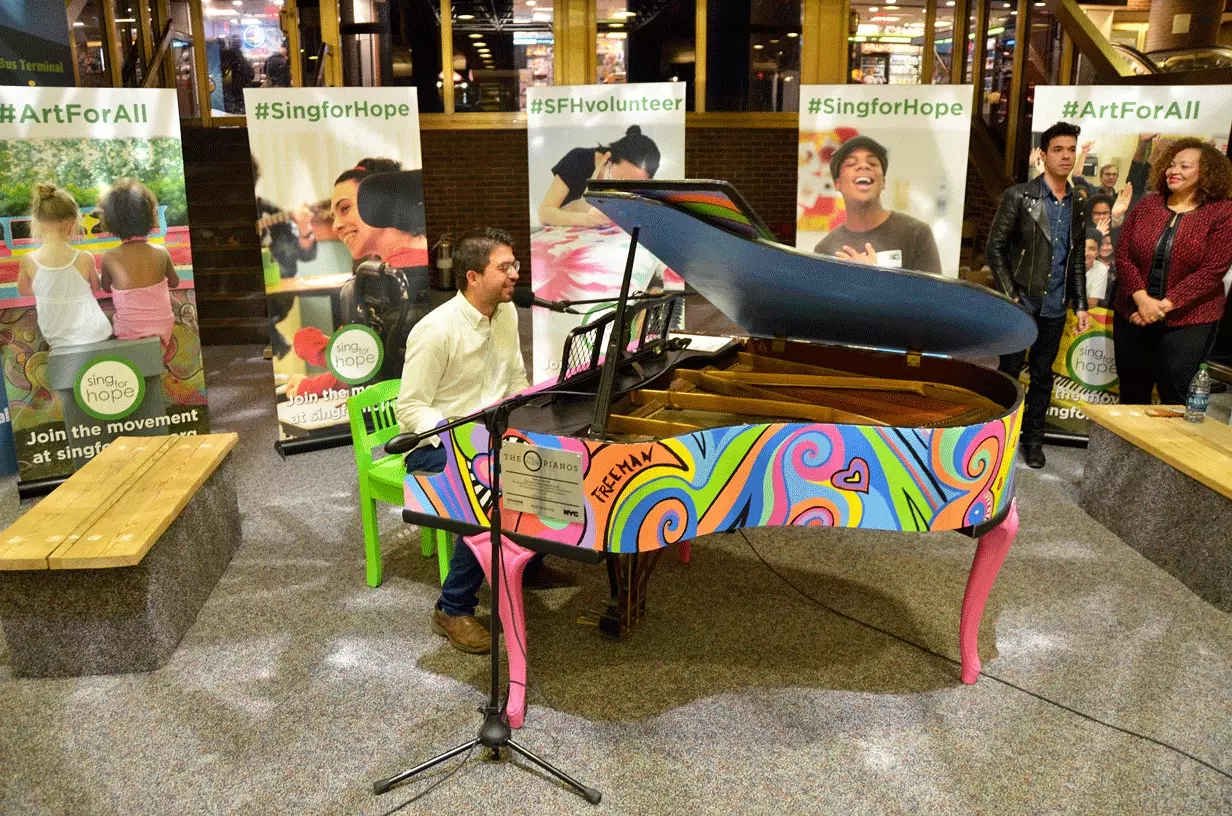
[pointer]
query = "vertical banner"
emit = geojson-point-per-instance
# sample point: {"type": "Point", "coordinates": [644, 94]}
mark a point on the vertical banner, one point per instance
{"type": "Point", "coordinates": [34, 46]}
{"type": "Point", "coordinates": [882, 174]}
{"type": "Point", "coordinates": [340, 211]}
{"type": "Point", "coordinates": [1122, 128]}
{"type": "Point", "coordinates": [98, 320]}
{"type": "Point", "coordinates": [577, 133]}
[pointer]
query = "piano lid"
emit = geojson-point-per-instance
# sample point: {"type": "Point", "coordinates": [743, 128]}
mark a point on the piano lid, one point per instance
{"type": "Point", "coordinates": [707, 233]}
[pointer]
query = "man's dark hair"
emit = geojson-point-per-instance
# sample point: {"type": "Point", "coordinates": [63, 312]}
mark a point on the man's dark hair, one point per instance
{"type": "Point", "coordinates": [475, 249]}
{"type": "Point", "coordinates": [130, 210]}
{"type": "Point", "coordinates": [1055, 130]}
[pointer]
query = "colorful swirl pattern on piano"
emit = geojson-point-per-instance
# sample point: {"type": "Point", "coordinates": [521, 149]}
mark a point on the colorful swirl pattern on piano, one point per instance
{"type": "Point", "coordinates": [645, 495]}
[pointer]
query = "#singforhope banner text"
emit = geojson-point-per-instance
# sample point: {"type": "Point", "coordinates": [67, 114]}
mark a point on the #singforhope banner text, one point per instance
{"type": "Point", "coordinates": [882, 170]}
{"type": "Point", "coordinates": [98, 318]}
{"type": "Point", "coordinates": [577, 133]}
{"type": "Point", "coordinates": [1123, 127]}
{"type": "Point", "coordinates": [341, 216]}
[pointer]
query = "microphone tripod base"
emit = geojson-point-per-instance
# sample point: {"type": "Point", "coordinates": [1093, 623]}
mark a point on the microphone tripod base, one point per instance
{"type": "Point", "coordinates": [494, 734]}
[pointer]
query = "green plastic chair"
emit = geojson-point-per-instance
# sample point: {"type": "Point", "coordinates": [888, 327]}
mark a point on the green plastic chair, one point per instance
{"type": "Point", "coordinates": [373, 423]}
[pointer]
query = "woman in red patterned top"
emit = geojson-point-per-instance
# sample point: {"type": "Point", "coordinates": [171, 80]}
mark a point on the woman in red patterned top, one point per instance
{"type": "Point", "coordinates": [1175, 247]}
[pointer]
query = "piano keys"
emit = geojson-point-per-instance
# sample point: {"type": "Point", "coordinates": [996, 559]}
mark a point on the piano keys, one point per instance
{"type": "Point", "coordinates": [843, 407]}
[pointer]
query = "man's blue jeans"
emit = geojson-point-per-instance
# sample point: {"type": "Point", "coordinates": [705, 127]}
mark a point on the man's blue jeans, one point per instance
{"type": "Point", "coordinates": [459, 592]}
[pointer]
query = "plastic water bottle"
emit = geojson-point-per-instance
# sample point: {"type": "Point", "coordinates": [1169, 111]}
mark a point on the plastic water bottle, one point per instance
{"type": "Point", "coordinates": [1199, 395]}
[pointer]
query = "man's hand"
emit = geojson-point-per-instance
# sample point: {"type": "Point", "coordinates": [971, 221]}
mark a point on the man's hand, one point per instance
{"type": "Point", "coordinates": [1084, 321]}
{"type": "Point", "coordinates": [868, 256]}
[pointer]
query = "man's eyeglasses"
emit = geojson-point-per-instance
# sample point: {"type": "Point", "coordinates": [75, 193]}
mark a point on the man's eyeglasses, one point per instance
{"type": "Point", "coordinates": [509, 267]}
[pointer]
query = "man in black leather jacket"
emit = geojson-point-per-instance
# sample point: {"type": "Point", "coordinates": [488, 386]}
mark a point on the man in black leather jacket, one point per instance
{"type": "Point", "coordinates": [1035, 251]}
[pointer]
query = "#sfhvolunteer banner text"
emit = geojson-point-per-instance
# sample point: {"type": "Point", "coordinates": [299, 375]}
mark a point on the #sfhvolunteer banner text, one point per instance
{"type": "Point", "coordinates": [1123, 127]}
{"type": "Point", "coordinates": [899, 182]}
{"type": "Point", "coordinates": [339, 183]}
{"type": "Point", "coordinates": [575, 134]}
{"type": "Point", "coordinates": [98, 319]}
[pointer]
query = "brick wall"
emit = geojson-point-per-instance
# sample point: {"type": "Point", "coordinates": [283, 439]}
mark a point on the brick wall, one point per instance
{"type": "Point", "coordinates": [471, 178]}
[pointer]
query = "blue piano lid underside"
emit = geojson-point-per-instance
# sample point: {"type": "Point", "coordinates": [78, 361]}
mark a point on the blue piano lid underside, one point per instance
{"type": "Point", "coordinates": [773, 290]}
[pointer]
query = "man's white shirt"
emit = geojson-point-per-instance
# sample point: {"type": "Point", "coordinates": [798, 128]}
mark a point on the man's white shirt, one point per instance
{"type": "Point", "coordinates": [458, 361]}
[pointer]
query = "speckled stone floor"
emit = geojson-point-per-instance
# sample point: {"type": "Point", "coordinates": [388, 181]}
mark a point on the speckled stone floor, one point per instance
{"type": "Point", "coordinates": [1108, 685]}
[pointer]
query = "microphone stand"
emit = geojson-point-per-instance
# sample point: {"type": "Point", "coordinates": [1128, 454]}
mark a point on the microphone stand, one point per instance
{"type": "Point", "coordinates": [494, 733]}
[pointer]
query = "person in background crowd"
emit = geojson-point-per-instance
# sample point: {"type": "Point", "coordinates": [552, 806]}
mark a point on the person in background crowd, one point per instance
{"type": "Point", "coordinates": [1035, 252]}
{"type": "Point", "coordinates": [463, 356]}
{"type": "Point", "coordinates": [1097, 270]}
{"type": "Point", "coordinates": [1175, 248]}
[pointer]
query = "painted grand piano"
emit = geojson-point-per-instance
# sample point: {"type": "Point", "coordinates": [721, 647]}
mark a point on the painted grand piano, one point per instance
{"type": "Point", "coordinates": [842, 407]}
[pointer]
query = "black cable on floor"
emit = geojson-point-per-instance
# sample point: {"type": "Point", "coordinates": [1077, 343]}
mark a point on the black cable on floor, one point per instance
{"type": "Point", "coordinates": [434, 785]}
{"type": "Point", "coordinates": [993, 677]}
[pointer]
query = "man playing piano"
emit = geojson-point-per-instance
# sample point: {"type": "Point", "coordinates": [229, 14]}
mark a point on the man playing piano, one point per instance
{"type": "Point", "coordinates": [462, 356]}
{"type": "Point", "coordinates": [1035, 252]}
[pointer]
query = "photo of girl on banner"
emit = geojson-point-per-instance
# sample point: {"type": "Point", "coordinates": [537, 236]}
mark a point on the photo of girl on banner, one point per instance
{"type": "Point", "coordinates": [344, 246]}
{"type": "Point", "coordinates": [98, 320]}
{"type": "Point", "coordinates": [853, 205]}
{"type": "Point", "coordinates": [1111, 176]}
{"type": "Point", "coordinates": [576, 252]}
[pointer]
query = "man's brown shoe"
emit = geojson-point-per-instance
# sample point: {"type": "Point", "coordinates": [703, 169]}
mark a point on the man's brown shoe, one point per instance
{"type": "Point", "coordinates": [543, 576]}
{"type": "Point", "coordinates": [465, 632]}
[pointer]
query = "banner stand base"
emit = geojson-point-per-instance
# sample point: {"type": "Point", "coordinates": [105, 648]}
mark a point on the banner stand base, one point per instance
{"type": "Point", "coordinates": [1069, 440]}
{"type": "Point", "coordinates": [38, 487]}
{"type": "Point", "coordinates": [290, 447]}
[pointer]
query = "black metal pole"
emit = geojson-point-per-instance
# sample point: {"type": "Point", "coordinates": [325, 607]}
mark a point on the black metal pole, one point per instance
{"type": "Point", "coordinates": [615, 347]}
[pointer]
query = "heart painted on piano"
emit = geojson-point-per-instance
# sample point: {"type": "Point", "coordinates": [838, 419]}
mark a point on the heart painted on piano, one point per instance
{"type": "Point", "coordinates": [855, 477]}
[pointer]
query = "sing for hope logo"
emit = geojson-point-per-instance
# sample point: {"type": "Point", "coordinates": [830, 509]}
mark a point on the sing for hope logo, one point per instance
{"type": "Point", "coordinates": [109, 388]}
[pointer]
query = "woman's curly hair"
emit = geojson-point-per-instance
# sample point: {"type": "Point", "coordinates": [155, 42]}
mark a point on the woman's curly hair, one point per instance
{"type": "Point", "coordinates": [1214, 170]}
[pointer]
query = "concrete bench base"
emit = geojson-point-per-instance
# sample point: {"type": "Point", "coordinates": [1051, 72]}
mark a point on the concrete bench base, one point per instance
{"type": "Point", "coordinates": [124, 619]}
{"type": "Point", "coordinates": [1177, 522]}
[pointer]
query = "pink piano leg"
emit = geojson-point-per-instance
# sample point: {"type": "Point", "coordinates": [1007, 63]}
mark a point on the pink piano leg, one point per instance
{"type": "Point", "coordinates": [989, 556]}
{"type": "Point", "coordinates": [685, 552]}
{"type": "Point", "coordinates": [513, 618]}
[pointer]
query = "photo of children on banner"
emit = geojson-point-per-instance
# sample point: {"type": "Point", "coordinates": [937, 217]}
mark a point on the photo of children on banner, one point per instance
{"type": "Point", "coordinates": [375, 213]}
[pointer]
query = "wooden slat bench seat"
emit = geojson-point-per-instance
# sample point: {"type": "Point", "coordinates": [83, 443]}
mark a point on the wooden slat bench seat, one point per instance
{"type": "Point", "coordinates": [1164, 486]}
{"type": "Point", "coordinates": [106, 574]}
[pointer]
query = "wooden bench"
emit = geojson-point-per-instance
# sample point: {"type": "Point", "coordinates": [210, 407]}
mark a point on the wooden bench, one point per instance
{"type": "Point", "coordinates": [1164, 486]}
{"type": "Point", "coordinates": [106, 574]}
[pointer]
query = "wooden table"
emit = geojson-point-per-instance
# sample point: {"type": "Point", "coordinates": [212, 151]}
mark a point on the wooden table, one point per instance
{"type": "Point", "coordinates": [1164, 486]}
{"type": "Point", "coordinates": [107, 573]}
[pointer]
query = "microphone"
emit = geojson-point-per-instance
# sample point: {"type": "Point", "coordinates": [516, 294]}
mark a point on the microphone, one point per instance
{"type": "Point", "coordinates": [525, 298]}
{"type": "Point", "coordinates": [403, 443]}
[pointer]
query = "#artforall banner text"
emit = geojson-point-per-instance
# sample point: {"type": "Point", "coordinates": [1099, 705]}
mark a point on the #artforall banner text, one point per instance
{"type": "Point", "coordinates": [882, 170]}
{"type": "Point", "coordinates": [577, 133]}
{"type": "Point", "coordinates": [98, 319]}
{"type": "Point", "coordinates": [1123, 128]}
{"type": "Point", "coordinates": [340, 210]}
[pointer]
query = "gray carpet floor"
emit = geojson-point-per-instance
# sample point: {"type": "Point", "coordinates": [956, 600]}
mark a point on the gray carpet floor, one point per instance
{"type": "Point", "coordinates": [783, 671]}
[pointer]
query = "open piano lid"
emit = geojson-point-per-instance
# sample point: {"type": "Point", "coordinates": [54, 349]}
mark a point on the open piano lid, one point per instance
{"type": "Point", "coordinates": [707, 233]}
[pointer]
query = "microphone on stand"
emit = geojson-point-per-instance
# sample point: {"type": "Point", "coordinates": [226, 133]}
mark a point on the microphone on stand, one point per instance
{"type": "Point", "coordinates": [525, 298]}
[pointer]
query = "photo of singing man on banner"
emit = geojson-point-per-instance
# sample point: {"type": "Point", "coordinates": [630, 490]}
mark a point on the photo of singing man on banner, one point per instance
{"type": "Point", "coordinates": [341, 217]}
{"type": "Point", "coordinates": [853, 205]}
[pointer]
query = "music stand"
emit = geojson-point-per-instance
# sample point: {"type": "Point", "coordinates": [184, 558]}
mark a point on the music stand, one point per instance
{"type": "Point", "coordinates": [495, 732]}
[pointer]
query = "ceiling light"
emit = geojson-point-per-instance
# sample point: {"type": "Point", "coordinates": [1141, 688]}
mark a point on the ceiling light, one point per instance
{"type": "Point", "coordinates": [466, 16]}
{"type": "Point", "coordinates": [530, 3]}
{"type": "Point", "coordinates": [616, 25]}
{"type": "Point", "coordinates": [237, 2]}
{"type": "Point", "coordinates": [758, 47]}
{"type": "Point", "coordinates": [474, 36]}
{"type": "Point", "coordinates": [873, 8]}
{"type": "Point", "coordinates": [792, 34]}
